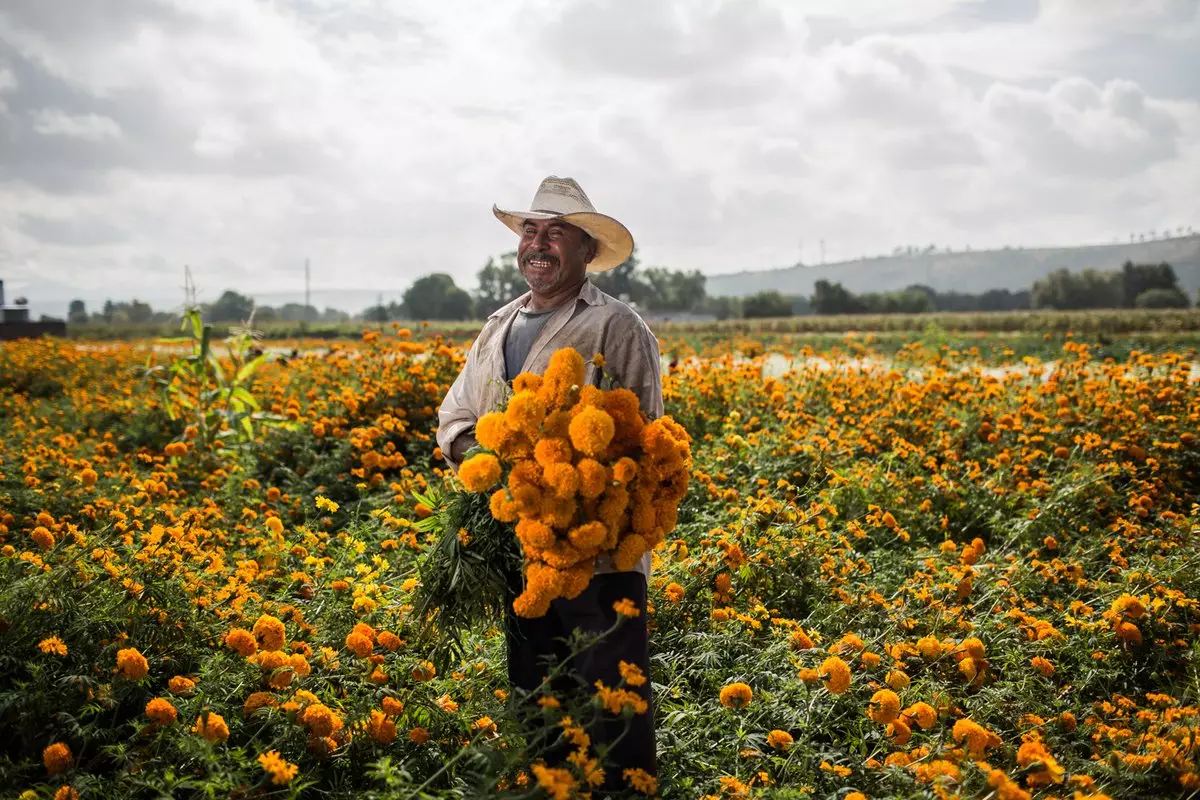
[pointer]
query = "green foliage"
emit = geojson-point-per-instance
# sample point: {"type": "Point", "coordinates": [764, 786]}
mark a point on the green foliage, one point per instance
{"type": "Point", "coordinates": [437, 297]}
{"type": "Point", "coordinates": [1162, 298]}
{"type": "Point", "coordinates": [766, 304]}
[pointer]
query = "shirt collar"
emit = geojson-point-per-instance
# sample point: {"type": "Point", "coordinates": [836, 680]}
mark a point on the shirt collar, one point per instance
{"type": "Point", "coordinates": [588, 293]}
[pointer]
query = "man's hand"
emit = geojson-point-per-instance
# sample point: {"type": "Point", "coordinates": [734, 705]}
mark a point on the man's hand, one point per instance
{"type": "Point", "coordinates": [460, 446]}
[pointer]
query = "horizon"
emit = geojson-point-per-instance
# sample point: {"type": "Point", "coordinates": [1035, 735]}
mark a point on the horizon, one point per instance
{"type": "Point", "coordinates": [394, 294]}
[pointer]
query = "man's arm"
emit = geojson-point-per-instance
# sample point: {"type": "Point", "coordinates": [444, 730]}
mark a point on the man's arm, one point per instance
{"type": "Point", "coordinates": [459, 410]}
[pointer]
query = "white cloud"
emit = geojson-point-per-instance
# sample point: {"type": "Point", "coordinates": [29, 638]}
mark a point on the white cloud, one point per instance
{"type": "Point", "coordinates": [89, 127]}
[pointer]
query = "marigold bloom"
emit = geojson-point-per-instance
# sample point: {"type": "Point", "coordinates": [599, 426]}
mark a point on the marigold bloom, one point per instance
{"type": "Point", "coordinates": [674, 593]}
{"type": "Point", "coordinates": [390, 641]}
{"type": "Point", "coordinates": [898, 680]}
{"type": "Point", "coordinates": [321, 720]}
{"type": "Point", "coordinates": [480, 472]}
{"type": "Point", "coordinates": [181, 686]}
{"type": "Point", "coordinates": [1043, 768]}
{"type": "Point", "coordinates": [424, 672]}
{"type": "Point", "coordinates": [977, 738]}
{"type": "Point", "coordinates": [381, 727]}
{"type": "Point", "coordinates": [392, 706]}
{"type": "Point", "coordinates": [924, 714]}
{"type": "Point", "coordinates": [929, 647]}
{"type": "Point", "coordinates": [53, 646]}
{"type": "Point", "coordinates": [780, 740]}
{"type": "Point", "coordinates": [270, 632]}
{"type": "Point", "coordinates": [899, 731]}
{"type": "Point", "coordinates": [591, 431]}
{"type": "Point", "coordinates": [258, 700]}
{"type": "Point", "coordinates": [1129, 633]}
{"type": "Point", "coordinates": [884, 707]}
{"type": "Point", "coordinates": [836, 674]}
{"type": "Point", "coordinates": [42, 537]}
{"type": "Point", "coordinates": [359, 644]}
{"type": "Point", "coordinates": [1042, 665]}
{"type": "Point", "coordinates": [280, 770]}
{"type": "Point", "coordinates": [626, 608]}
{"type": "Point", "coordinates": [418, 736]}
{"type": "Point", "coordinates": [242, 641]}
{"type": "Point", "coordinates": [492, 432]}
{"type": "Point", "coordinates": [641, 781]}
{"type": "Point", "coordinates": [161, 711]}
{"type": "Point", "coordinates": [57, 758]}
{"type": "Point", "coordinates": [631, 673]}
{"type": "Point", "coordinates": [211, 726]}
{"type": "Point", "coordinates": [274, 525]}
{"type": "Point", "coordinates": [1128, 606]}
{"type": "Point", "coordinates": [736, 695]}
{"type": "Point", "coordinates": [132, 664]}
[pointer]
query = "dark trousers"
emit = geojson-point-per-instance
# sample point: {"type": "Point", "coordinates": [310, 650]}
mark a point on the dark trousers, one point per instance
{"type": "Point", "coordinates": [535, 644]}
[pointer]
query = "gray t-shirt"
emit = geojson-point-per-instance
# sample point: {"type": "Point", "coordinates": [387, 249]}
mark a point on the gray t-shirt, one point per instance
{"type": "Point", "coordinates": [524, 332]}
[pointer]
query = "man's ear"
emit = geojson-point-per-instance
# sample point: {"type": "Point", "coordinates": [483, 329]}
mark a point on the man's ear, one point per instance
{"type": "Point", "coordinates": [593, 247]}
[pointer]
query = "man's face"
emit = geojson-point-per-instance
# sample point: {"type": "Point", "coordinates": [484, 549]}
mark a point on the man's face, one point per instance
{"type": "Point", "coordinates": [553, 254]}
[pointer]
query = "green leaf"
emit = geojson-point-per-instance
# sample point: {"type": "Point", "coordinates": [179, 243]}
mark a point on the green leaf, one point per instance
{"type": "Point", "coordinates": [248, 369]}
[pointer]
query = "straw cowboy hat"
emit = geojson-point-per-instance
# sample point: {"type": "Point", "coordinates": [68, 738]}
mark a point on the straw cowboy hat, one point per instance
{"type": "Point", "coordinates": [562, 198]}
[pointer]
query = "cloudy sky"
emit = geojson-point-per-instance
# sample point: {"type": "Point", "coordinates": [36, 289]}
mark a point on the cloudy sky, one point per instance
{"type": "Point", "coordinates": [372, 136]}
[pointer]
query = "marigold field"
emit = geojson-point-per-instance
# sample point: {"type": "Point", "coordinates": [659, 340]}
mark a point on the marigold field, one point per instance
{"type": "Point", "coordinates": [904, 575]}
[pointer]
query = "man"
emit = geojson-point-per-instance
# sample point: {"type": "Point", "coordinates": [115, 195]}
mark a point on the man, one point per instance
{"type": "Point", "coordinates": [562, 239]}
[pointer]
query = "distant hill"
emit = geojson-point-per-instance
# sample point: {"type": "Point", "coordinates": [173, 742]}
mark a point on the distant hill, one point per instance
{"type": "Point", "coordinates": [971, 272]}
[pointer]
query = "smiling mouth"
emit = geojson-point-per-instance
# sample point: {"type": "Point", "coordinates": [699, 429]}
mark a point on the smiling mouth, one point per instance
{"type": "Point", "coordinates": [540, 262]}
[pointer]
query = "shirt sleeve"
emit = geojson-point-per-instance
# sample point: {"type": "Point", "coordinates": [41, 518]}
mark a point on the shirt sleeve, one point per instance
{"type": "Point", "coordinates": [458, 412]}
{"type": "Point", "coordinates": [632, 360]}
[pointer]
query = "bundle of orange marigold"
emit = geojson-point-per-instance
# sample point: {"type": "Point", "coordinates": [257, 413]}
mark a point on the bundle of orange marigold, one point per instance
{"type": "Point", "coordinates": [582, 472]}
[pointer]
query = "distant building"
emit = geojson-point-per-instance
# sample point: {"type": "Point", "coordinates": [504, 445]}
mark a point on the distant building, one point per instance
{"type": "Point", "coordinates": [16, 324]}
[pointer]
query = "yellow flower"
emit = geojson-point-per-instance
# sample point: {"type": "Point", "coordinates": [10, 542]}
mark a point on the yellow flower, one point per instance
{"type": "Point", "coordinates": [641, 781]}
{"type": "Point", "coordinates": [626, 608]}
{"type": "Point", "coordinates": [280, 770]}
{"type": "Point", "coordinates": [326, 504]}
{"type": "Point", "coordinates": [924, 714]}
{"type": "Point", "coordinates": [161, 711]}
{"type": "Point", "coordinates": [270, 632]}
{"type": "Point", "coordinates": [631, 673]}
{"type": "Point", "coordinates": [53, 646]}
{"type": "Point", "coordinates": [736, 695]}
{"type": "Point", "coordinates": [181, 686]}
{"type": "Point", "coordinates": [132, 664]}
{"type": "Point", "coordinates": [480, 472]}
{"type": "Point", "coordinates": [780, 740]}
{"type": "Point", "coordinates": [211, 726]}
{"type": "Point", "coordinates": [884, 707]}
{"type": "Point", "coordinates": [836, 674]}
{"type": "Point", "coordinates": [591, 431]}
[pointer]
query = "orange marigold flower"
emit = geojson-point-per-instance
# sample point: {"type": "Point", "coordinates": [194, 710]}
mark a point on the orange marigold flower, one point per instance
{"type": "Point", "coordinates": [424, 672]}
{"type": "Point", "coordinates": [929, 647]}
{"type": "Point", "coordinates": [270, 632]}
{"type": "Point", "coordinates": [280, 770]}
{"type": "Point", "coordinates": [181, 686]}
{"type": "Point", "coordinates": [212, 727]}
{"type": "Point", "coordinates": [492, 431]}
{"type": "Point", "coordinates": [631, 673]}
{"type": "Point", "coordinates": [593, 478]}
{"type": "Point", "coordinates": [53, 646]}
{"type": "Point", "coordinates": [392, 706]}
{"type": "Point", "coordinates": [591, 431]}
{"type": "Point", "coordinates": [780, 740]}
{"type": "Point", "coordinates": [321, 720]}
{"type": "Point", "coordinates": [924, 714]}
{"type": "Point", "coordinates": [242, 641]}
{"type": "Point", "coordinates": [42, 537]}
{"type": "Point", "coordinates": [161, 711]}
{"type": "Point", "coordinates": [1129, 633]}
{"type": "Point", "coordinates": [898, 680]}
{"type": "Point", "coordinates": [418, 736]}
{"type": "Point", "coordinates": [132, 664]}
{"type": "Point", "coordinates": [899, 731]}
{"type": "Point", "coordinates": [835, 673]}
{"type": "Point", "coordinates": [674, 593]}
{"type": "Point", "coordinates": [884, 707]}
{"type": "Point", "coordinates": [390, 641]}
{"type": "Point", "coordinates": [480, 472]}
{"type": "Point", "coordinates": [66, 793]}
{"type": "Point", "coordinates": [641, 781]}
{"type": "Point", "coordinates": [1128, 606]}
{"type": "Point", "coordinates": [977, 738]}
{"type": "Point", "coordinates": [1043, 666]}
{"type": "Point", "coordinates": [736, 695]}
{"type": "Point", "coordinates": [258, 700]}
{"type": "Point", "coordinates": [381, 727]}
{"type": "Point", "coordinates": [57, 758]}
{"type": "Point", "coordinates": [359, 644]}
{"type": "Point", "coordinates": [626, 608]}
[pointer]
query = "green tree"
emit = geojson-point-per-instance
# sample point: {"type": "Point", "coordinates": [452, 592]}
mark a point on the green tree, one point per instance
{"type": "Point", "coordinates": [231, 307]}
{"type": "Point", "coordinates": [622, 280]}
{"type": "Point", "coordinates": [833, 298]}
{"type": "Point", "coordinates": [1063, 290]}
{"type": "Point", "coordinates": [77, 313]}
{"type": "Point", "coordinates": [499, 284]}
{"type": "Point", "coordinates": [436, 296]}
{"type": "Point", "coordinates": [1162, 298]}
{"type": "Point", "coordinates": [766, 304]}
{"type": "Point", "coordinates": [1139, 278]}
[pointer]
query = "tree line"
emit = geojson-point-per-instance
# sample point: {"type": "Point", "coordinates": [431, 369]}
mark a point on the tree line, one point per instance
{"type": "Point", "coordinates": [662, 292]}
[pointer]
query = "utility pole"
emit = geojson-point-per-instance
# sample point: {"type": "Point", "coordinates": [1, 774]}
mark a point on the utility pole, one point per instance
{"type": "Point", "coordinates": [307, 290]}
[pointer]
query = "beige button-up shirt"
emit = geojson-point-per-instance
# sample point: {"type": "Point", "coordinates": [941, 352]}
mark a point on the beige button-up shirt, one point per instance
{"type": "Point", "coordinates": [594, 323]}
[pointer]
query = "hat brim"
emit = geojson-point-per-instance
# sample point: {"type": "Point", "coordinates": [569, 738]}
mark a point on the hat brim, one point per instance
{"type": "Point", "coordinates": [614, 242]}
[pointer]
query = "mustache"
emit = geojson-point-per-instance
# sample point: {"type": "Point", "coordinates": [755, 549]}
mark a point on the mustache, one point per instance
{"type": "Point", "coordinates": [547, 256]}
